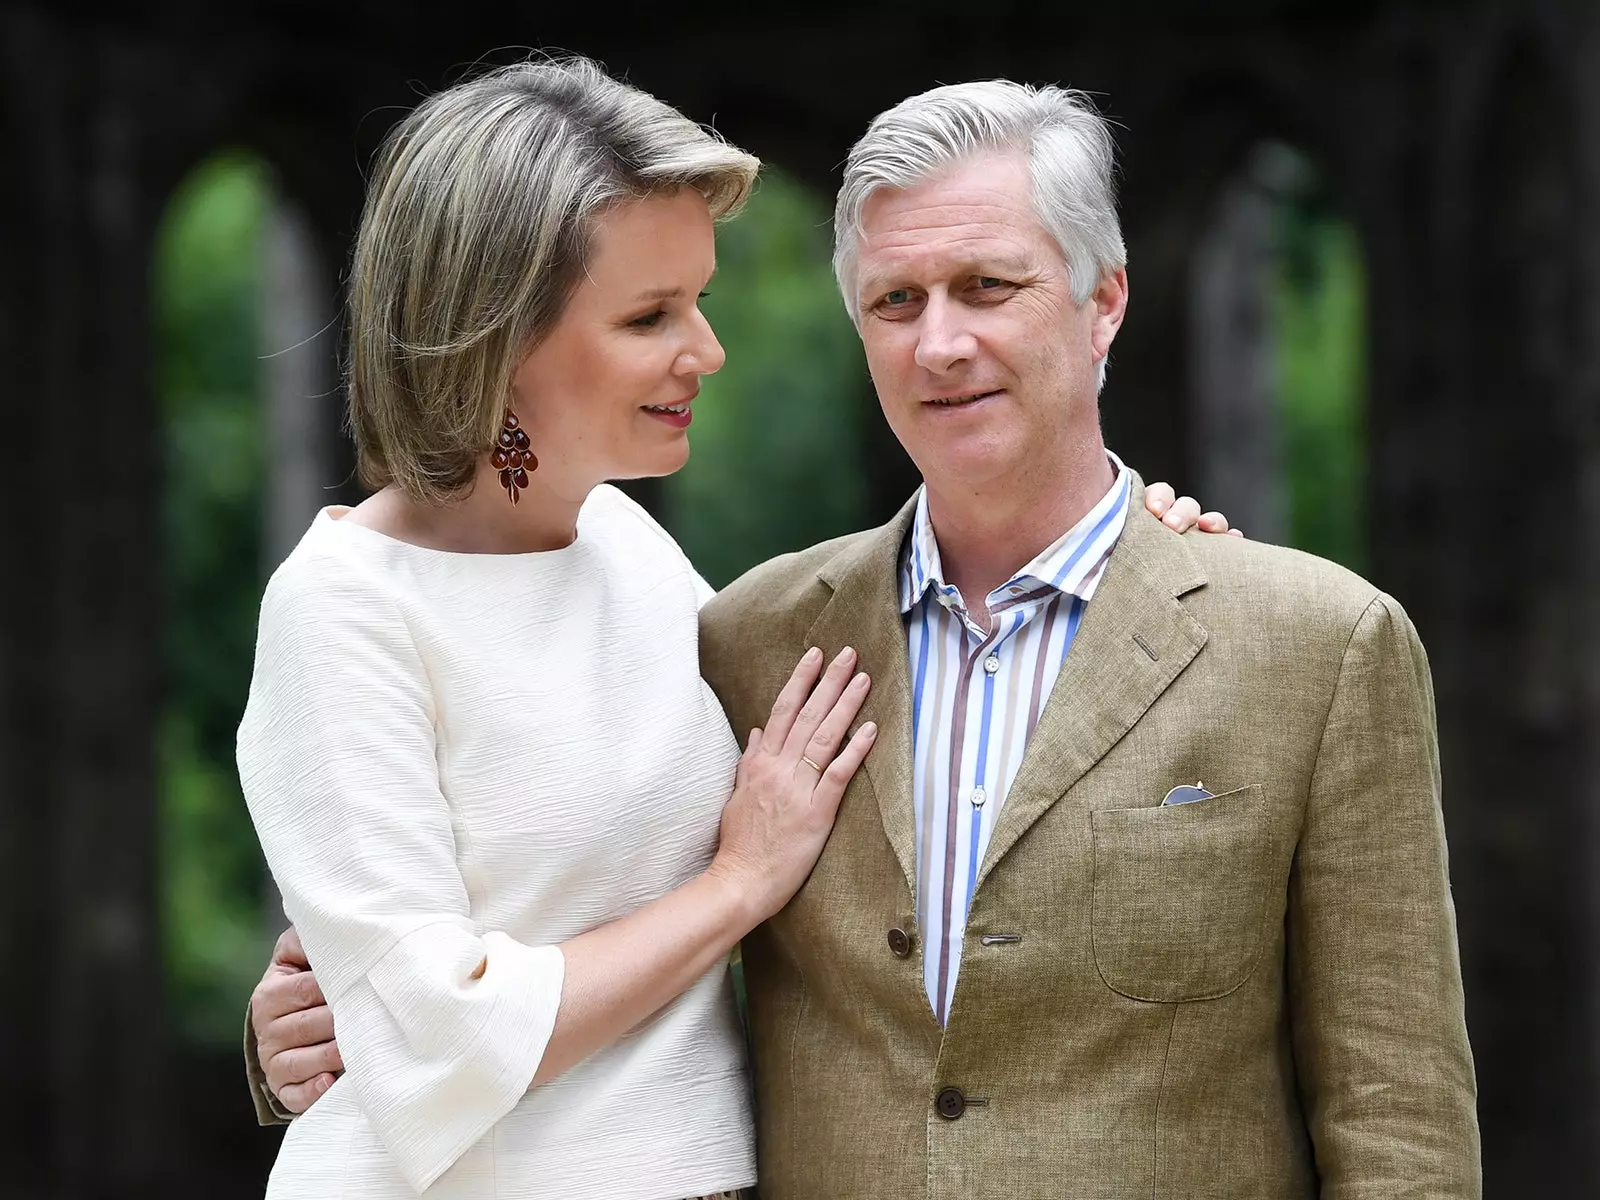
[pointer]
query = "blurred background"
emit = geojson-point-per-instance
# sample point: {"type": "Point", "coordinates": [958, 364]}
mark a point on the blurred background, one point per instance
{"type": "Point", "coordinates": [1364, 244]}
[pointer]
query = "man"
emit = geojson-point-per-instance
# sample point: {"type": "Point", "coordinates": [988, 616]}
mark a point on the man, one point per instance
{"type": "Point", "coordinates": [1143, 891]}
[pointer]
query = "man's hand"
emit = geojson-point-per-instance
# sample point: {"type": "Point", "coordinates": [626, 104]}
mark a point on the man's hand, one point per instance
{"type": "Point", "coordinates": [294, 1028]}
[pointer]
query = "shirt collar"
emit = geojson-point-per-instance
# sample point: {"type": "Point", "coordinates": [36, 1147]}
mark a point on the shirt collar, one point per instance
{"type": "Point", "coordinates": [1070, 565]}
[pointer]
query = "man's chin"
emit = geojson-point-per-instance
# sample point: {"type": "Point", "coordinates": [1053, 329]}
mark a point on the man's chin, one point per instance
{"type": "Point", "coordinates": [966, 464]}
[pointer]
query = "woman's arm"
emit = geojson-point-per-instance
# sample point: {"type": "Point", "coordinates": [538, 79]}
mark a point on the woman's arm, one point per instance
{"type": "Point", "coordinates": [444, 1027]}
{"type": "Point", "coordinates": [773, 830]}
{"type": "Point", "coordinates": [443, 1024]}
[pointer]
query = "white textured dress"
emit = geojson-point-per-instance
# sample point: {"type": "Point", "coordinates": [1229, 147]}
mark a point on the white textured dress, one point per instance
{"type": "Point", "coordinates": [459, 758]}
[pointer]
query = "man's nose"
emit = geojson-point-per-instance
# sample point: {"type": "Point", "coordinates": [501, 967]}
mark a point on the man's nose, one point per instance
{"type": "Point", "coordinates": [942, 337]}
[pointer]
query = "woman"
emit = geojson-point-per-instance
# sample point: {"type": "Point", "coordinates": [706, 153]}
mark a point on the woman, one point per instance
{"type": "Point", "coordinates": [487, 776]}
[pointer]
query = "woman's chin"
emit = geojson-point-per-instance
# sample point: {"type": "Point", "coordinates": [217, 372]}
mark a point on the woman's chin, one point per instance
{"type": "Point", "coordinates": [656, 461]}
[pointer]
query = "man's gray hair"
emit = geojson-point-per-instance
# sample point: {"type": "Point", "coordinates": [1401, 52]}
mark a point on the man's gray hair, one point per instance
{"type": "Point", "coordinates": [1070, 154]}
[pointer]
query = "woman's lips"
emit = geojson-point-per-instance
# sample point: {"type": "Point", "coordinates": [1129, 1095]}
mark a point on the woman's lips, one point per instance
{"type": "Point", "coordinates": [678, 415]}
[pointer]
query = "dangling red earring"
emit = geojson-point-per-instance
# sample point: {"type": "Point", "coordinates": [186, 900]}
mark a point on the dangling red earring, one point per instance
{"type": "Point", "coordinates": [513, 457]}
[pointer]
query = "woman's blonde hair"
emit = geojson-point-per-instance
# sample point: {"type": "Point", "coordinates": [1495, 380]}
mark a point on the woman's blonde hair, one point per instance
{"type": "Point", "coordinates": [477, 226]}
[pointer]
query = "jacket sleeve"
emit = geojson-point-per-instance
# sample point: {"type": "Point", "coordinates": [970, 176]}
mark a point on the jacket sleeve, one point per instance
{"type": "Point", "coordinates": [1374, 977]}
{"type": "Point", "coordinates": [441, 1025]}
{"type": "Point", "coordinates": [268, 1109]}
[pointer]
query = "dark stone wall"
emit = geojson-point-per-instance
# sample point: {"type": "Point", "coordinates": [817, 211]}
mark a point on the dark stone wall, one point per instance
{"type": "Point", "coordinates": [1462, 140]}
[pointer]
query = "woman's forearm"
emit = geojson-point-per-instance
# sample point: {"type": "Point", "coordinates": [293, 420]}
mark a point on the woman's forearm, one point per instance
{"type": "Point", "coordinates": [786, 793]}
{"type": "Point", "coordinates": [620, 973]}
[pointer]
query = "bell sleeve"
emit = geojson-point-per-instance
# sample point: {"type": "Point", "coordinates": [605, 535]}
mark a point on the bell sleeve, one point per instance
{"type": "Point", "coordinates": [441, 1026]}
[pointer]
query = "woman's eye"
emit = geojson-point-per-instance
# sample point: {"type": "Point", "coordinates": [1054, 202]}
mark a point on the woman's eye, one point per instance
{"type": "Point", "coordinates": [703, 295]}
{"type": "Point", "coordinates": [648, 321]}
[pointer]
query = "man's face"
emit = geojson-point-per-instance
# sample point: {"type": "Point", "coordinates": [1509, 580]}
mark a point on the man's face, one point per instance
{"type": "Point", "coordinates": [984, 365]}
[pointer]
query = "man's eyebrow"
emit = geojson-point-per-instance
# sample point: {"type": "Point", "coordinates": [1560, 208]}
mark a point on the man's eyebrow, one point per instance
{"type": "Point", "coordinates": [1004, 264]}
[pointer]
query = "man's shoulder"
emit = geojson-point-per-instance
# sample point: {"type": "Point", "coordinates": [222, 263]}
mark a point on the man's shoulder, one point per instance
{"type": "Point", "coordinates": [754, 630]}
{"type": "Point", "coordinates": [1278, 587]}
{"type": "Point", "coordinates": [788, 585]}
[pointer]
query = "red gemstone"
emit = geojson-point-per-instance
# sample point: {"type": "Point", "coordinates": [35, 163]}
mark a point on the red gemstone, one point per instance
{"type": "Point", "coordinates": [514, 459]}
{"type": "Point", "coordinates": [519, 477]}
{"type": "Point", "coordinates": [506, 439]}
{"type": "Point", "coordinates": [521, 440]}
{"type": "Point", "coordinates": [533, 463]}
{"type": "Point", "coordinates": [511, 420]}
{"type": "Point", "coordinates": [505, 480]}
{"type": "Point", "coordinates": [499, 459]}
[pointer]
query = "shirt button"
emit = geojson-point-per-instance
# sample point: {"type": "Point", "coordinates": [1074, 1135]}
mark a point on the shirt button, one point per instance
{"type": "Point", "coordinates": [991, 664]}
{"type": "Point", "coordinates": [899, 943]}
{"type": "Point", "coordinates": [978, 797]}
{"type": "Point", "coordinates": [950, 1103]}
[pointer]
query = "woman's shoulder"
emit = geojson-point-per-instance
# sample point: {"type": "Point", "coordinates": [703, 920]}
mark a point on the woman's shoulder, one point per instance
{"type": "Point", "coordinates": [616, 518]}
{"type": "Point", "coordinates": [326, 580]}
{"type": "Point", "coordinates": [614, 509]}
{"type": "Point", "coordinates": [637, 541]}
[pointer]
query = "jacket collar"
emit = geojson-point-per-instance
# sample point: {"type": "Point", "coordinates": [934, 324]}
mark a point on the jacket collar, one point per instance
{"type": "Point", "coordinates": [1136, 638]}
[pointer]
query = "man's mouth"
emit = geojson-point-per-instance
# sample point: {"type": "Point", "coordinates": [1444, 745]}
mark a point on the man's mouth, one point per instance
{"type": "Point", "coordinates": [958, 401]}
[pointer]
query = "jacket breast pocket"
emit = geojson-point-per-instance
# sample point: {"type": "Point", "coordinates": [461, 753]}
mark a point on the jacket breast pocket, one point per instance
{"type": "Point", "coordinates": [1181, 896]}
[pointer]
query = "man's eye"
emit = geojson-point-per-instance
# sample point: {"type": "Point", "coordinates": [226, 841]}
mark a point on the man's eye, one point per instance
{"type": "Point", "coordinates": [898, 296]}
{"type": "Point", "coordinates": [989, 281]}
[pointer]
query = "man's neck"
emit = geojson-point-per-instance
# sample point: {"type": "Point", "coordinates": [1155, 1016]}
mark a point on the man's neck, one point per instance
{"type": "Point", "coordinates": [987, 535]}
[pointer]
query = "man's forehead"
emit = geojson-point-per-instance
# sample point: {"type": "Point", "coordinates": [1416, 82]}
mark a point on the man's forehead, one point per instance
{"type": "Point", "coordinates": [947, 253]}
{"type": "Point", "coordinates": [992, 191]}
{"type": "Point", "coordinates": [954, 240]}
{"type": "Point", "coordinates": [982, 191]}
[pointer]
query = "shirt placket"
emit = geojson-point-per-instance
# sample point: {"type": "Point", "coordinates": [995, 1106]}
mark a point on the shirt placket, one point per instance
{"type": "Point", "coordinates": [971, 789]}
{"type": "Point", "coordinates": [987, 791]}
{"type": "Point", "coordinates": [952, 920]}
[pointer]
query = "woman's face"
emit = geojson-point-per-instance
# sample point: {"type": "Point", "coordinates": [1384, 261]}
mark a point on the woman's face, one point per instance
{"type": "Point", "coordinates": [606, 395]}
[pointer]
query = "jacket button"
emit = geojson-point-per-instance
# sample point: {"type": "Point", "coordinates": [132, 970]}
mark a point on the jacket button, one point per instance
{"type": "Point", "coordinates": [899, 943]}
{"type": "Point", "coordinates": [950, 1103]}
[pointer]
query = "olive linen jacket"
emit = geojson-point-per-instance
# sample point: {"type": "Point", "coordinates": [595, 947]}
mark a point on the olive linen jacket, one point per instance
{"type": "Point", "coordinates": [1255, 996]}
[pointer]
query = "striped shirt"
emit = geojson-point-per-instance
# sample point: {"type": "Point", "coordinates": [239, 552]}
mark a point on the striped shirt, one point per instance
{"type": "Point", "coordinates": [976, 695]}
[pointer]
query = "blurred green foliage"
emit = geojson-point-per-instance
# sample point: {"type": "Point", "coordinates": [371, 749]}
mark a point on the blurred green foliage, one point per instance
{"type": "Point", "coordinates": [777, 455]}
{"type": "Point", "coordinates": [1319, 323]}
{"type": "Point", "coordinates": [207, 290]}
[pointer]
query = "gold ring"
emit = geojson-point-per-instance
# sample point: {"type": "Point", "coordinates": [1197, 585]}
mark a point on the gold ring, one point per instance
{"type": "Point", "coordinates": [811, 764]}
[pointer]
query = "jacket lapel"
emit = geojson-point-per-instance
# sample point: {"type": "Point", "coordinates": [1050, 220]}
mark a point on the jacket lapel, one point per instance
{"type": "Point", "coordinates": [864, 612]}
{"type": "Point", "coordinates": [1135, 639]}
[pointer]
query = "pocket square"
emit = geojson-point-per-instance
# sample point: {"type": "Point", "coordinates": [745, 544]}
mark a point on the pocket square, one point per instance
{"type": "Point", "coordinates": [1185, 794]}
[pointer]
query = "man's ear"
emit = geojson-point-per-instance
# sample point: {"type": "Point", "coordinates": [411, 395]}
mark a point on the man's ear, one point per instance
{"type": "Point", "coordinates": [1110, 302]}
